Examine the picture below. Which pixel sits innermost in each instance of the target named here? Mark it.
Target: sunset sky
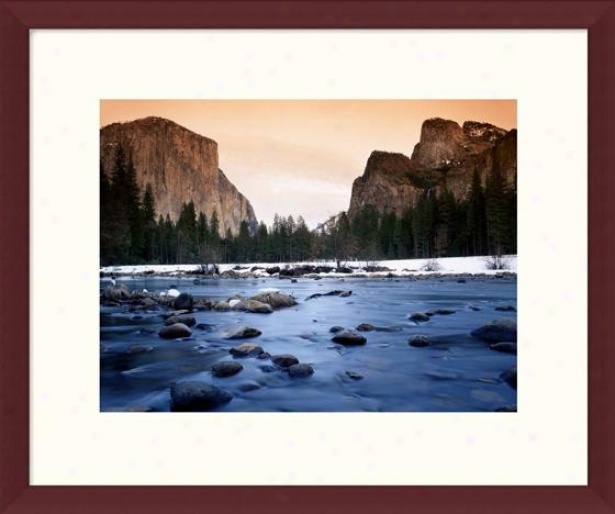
(301, 156)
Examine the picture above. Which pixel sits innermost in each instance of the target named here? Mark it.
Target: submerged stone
(243, 332)
(499, 330)
(300, 370)
(246, 350)
(349, 338)
(419, 341)
(505, 347)
(195, 395)
(226, 369)
(187, 319)
(285, 360)
(175, 331)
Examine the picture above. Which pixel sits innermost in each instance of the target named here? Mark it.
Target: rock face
(180, 166)
(445, 157)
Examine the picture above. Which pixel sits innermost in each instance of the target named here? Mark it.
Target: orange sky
(301, 156)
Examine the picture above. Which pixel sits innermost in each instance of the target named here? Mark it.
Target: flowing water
(456, 373)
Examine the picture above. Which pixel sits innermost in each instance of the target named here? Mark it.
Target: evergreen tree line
(438, 225)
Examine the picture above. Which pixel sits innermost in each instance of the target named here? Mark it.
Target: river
(455, 373)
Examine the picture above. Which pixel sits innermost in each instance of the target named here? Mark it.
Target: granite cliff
(445, 157)
(180, 166)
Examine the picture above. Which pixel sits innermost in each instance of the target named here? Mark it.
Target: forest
(439, 225)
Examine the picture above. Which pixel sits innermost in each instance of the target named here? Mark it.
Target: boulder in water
(284, 360)
(510, 377)
(499, 330)
(187, 319)
(184, 301)
(349, 338)
(242, 332)
(277, 299)
(365, 327)
(175, 331)
(300, 370)
(246, 350)
(253, 306)
(505, 347)
(116, 293)
(195, 395)
(226, 369)
(419, 341)
(354, 375)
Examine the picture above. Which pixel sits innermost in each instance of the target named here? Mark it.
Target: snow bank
(404, 267)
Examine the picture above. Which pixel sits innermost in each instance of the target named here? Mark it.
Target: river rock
(249, 386)
(205, 326)
(349, 338)
(284, 360)
(222, 306)
(505, 347)
(246, 350)
(253, 306)
(175, 331)
(510, 377)
(444, 312)
(139, 348)
(365, 327)
(276, 299)
(419, 341)
(195, 395)
(354, 375)
(116, 293)
(184, 301)
(337, 292)
(242, 332)
(147, 303)
(187, 319)
(506, 308)
(336, 329)
(419, 317)
(499, 330)
(226, 369)
(300, 370)
(507, 408)
(264, 355)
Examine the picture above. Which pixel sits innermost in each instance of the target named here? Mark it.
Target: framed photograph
(75, 382)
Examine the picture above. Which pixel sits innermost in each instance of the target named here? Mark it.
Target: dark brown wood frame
(18, 17)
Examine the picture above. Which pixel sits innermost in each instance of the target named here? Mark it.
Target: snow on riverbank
(405, 267)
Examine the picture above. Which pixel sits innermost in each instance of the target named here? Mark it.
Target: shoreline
(451, 267)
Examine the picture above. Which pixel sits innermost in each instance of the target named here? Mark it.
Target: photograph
(308, 255)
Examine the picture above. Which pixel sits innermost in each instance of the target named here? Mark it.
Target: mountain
(180, 166)
(444, 158)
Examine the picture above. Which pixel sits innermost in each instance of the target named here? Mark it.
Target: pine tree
(148, 215)
(498, 223)
(477, 217)
(202, 237)
(106, 222)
